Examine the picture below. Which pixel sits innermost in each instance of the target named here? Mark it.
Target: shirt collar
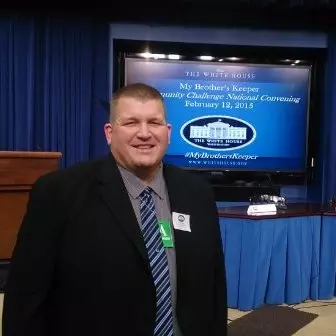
(135, 186)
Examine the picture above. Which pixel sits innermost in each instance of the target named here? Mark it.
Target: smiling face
(139, 135)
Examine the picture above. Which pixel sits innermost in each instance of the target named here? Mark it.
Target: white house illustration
(218, 130)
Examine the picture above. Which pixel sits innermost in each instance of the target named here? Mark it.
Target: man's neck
(146, 175)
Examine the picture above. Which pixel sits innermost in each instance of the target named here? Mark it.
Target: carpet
(270, 320)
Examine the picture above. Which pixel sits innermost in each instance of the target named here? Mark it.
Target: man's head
(138, 132)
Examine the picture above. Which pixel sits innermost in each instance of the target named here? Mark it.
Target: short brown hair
(138, 91)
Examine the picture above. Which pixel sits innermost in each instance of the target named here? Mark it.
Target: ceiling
(284, 14)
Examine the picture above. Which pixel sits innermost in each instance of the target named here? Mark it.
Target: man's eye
(130, 123)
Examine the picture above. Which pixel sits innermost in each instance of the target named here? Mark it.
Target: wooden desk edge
(35, 155)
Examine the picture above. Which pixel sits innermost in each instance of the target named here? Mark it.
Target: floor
(324, 325)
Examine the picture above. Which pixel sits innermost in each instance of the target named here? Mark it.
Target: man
(124, 245)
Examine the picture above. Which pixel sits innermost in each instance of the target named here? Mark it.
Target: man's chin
(144, 165)
(147, 164)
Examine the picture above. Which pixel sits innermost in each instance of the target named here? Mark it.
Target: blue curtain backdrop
(329, 134)
(53, 72)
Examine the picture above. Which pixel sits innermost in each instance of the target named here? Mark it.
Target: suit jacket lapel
(114, 194)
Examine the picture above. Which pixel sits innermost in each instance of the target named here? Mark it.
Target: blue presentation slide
(231, 116)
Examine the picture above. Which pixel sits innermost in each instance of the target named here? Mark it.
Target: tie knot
(146, 192)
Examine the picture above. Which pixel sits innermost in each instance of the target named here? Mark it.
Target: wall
(254, 37)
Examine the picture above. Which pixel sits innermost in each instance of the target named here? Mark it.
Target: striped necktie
(159, 264)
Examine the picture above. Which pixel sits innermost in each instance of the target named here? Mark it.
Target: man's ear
(169, 132)
(108, 133)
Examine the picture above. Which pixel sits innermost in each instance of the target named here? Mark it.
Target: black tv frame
(244, 183)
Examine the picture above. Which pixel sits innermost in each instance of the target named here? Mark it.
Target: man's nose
(144, 130)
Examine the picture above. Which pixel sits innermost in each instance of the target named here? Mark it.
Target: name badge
(181, 221)
(166, 233)
(262, 209)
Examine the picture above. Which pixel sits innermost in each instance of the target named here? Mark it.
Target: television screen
(231, 116)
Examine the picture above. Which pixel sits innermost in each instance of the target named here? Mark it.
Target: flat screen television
(236, 115)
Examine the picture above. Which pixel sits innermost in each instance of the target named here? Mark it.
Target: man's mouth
(143, 146)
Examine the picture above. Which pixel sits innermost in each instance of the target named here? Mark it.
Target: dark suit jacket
(80, 265)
